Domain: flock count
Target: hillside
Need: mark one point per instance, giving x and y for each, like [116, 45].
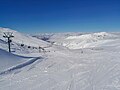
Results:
[89, 61]
[78, 40]
[19, 39]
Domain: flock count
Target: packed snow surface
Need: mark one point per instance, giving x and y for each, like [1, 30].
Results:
[73, 62]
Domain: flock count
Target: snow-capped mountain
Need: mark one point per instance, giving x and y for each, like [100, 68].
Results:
[85, 40]
[78, 40]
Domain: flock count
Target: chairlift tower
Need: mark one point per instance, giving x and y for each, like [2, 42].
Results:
[8, 35]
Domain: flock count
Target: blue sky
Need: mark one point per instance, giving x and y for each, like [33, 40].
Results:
[32, 16]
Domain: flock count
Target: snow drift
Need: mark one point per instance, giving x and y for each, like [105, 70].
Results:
[8, 59]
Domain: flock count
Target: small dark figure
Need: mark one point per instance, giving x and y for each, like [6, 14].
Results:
[28, 46]
[22, 45]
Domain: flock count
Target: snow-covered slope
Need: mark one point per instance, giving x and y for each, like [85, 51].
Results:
[86, 40]
[19, 39]
[22, 38]
[94, 67]
[8, 60]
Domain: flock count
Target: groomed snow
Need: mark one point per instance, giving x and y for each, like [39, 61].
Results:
[96, 66]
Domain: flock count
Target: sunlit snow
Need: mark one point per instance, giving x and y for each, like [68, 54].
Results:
[71, 61]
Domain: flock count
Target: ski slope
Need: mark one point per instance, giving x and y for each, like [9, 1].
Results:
[20, 38]
[88, 62]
